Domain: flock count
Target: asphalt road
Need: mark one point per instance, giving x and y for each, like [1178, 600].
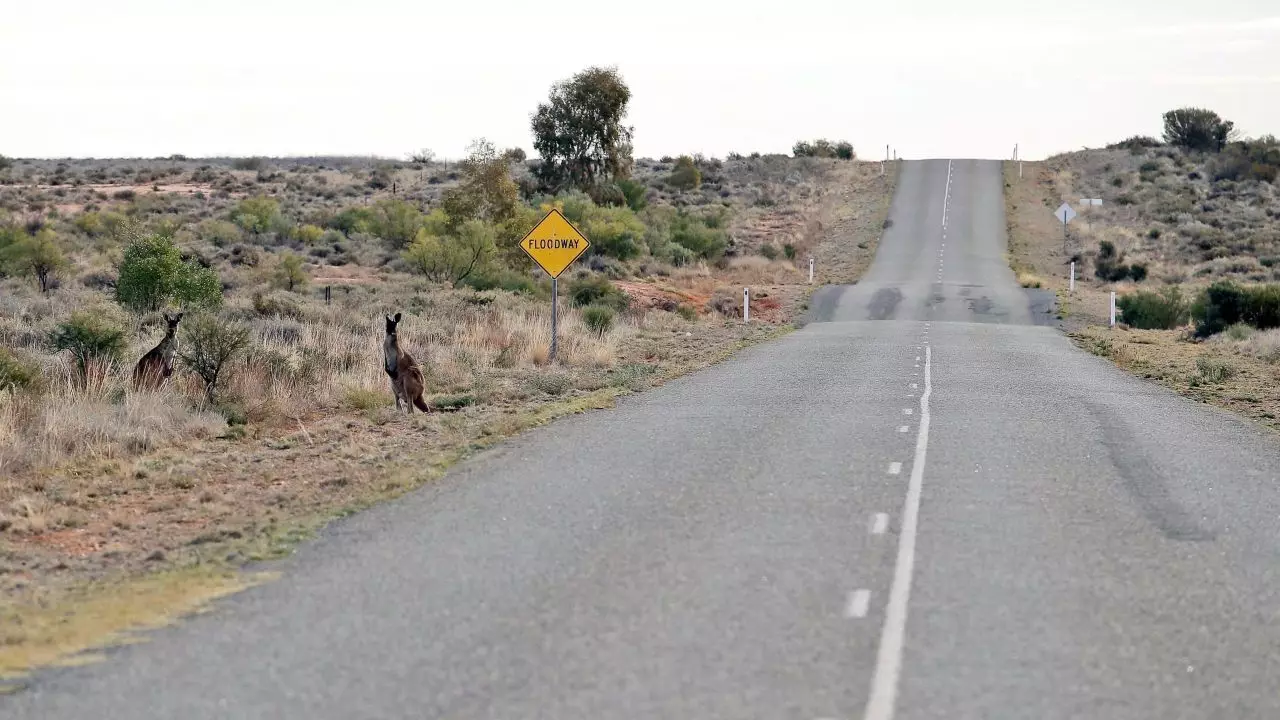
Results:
[921, 505]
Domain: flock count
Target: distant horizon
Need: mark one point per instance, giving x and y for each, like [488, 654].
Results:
[921, 75]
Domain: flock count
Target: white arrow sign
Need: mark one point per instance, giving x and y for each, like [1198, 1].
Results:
[1065, 214]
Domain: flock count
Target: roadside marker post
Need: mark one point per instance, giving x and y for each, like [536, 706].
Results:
[1065, 214]
[1113, 308]
[1072, 288]
[554, 243]
[746, 305]
[810, 269]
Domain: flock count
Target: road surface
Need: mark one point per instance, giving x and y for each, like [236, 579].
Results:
[920, 505]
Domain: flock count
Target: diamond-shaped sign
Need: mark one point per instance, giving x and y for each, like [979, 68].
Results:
[554, 243]
[1065, 213]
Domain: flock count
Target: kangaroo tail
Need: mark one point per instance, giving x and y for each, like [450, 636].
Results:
[421, 404]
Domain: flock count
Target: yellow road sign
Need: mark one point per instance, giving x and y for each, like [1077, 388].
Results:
[555, 243]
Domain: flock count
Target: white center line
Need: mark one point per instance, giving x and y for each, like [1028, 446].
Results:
[903, 428]
[946, 196]
[914, 386]
[895, 468]
[879, 523]
[859, 601]
[884, 683]
[908, 411]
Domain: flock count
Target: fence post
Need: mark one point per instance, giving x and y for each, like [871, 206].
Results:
[1113, 308]
[746, 305]
[1073, 276]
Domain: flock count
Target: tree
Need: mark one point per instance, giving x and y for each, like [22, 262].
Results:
[210, 346]
[289, 273]
[422, 157]
[579, 133]
[38, 256]
[5, 163]
[153, 274]
[92, 340]
[452, 258]
[486, 192]
[1197, 129]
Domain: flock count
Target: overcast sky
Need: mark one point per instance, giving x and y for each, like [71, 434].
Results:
[934, 78]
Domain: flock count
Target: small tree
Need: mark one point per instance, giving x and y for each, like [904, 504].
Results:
[579, 133]
[153, 274]
[486, 192]
[422, 157]
[209, 347]
[395, 221]
[452, 258]
[1197, 129]
[289, 273]
[38, 256]
[686, 175]
[92, 340]
[5, 163]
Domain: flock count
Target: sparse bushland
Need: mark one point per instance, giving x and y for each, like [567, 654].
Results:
[300, 258]
[1193, 217]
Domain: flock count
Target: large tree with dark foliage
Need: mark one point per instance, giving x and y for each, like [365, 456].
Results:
[1197, 129]
[579, 133]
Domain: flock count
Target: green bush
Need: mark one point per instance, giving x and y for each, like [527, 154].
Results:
[1151, 311]
[1196, 129]
[153, 274]
[844, 150]
[1262, 309]
[93, 341]
[598, 318]
[635, 192]
[789, 251]
[1239, 332]
[501, 279]
[452, 258]
[769, 251]
[255, 214]
[687, 311]
[17, 374]
[395, 221]
[1218, 307]
[1214, 370]
[289, 273]
[694, 234]
[685, 175]
[1109, 265]
[597, 290]
[37, 256]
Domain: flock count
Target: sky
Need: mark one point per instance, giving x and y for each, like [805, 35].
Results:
[930, 78]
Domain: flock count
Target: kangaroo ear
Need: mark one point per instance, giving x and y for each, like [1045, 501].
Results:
[397, 317]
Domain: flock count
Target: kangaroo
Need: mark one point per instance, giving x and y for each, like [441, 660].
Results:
[407, 383]
[157, 365]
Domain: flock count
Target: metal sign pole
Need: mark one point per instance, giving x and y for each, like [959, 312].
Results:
[551, 356]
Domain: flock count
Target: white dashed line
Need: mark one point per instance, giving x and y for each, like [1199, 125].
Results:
[879, 523]
[859, 602]
[884, 683]
[946, 196]
[908, 411]
[895, 468]
[914, 386]
[903, 428]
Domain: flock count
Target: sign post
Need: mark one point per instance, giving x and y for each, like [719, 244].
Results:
[554, 243]
[1065, 214]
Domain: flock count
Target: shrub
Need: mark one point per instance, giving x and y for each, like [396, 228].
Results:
[686, 311]
[395, 221]
[1219, 306]
[1138, 272]
[219, 233]
[685, 175]
[597, 290]
[153, 274]
[255, 214]
[289, 273]
[1108, 265]
[598, 318]
[491, 279]
[452, 258]
[615, 232]
[1239, 332]
[90, 223]
[635, 193]
[1147, 310]
[789, 251]
[309, 234]
[1137, 143]
[1262, 309]
[17, 374]
[694, 234]
[1214, 370]
[844, 150]
[93, 340]
[209, 347]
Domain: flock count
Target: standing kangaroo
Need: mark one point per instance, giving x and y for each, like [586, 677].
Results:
[157, 365]
[406, 377]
